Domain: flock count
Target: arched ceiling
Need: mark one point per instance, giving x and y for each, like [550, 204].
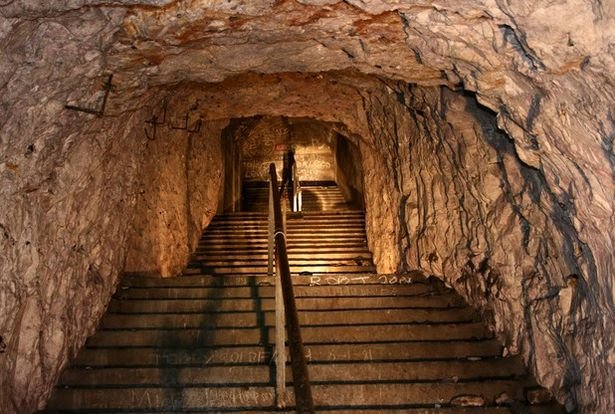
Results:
[499, 49]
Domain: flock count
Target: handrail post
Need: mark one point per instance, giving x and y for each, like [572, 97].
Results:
[301, 381]
[294, 205]
[280, 347]
[270, 230]
[297, 197]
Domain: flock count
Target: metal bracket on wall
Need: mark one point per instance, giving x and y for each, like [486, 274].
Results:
[182, 127]
[197, 125]
[185, 127]
[100, 111]
[153, 121]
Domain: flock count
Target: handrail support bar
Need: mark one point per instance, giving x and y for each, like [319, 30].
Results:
[301, 382]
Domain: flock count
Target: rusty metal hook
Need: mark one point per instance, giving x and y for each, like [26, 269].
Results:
[153, 121]
[154, 118]
[100, 111]
[185, 126]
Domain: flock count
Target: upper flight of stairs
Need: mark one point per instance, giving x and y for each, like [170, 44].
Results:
[316, 196]
[203, 342]
[318, 243]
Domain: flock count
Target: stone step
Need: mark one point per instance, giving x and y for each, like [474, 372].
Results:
[291, 224]
[248, 214]
[368, 279]
[416, 394]
[315, 247]
[269, 291]
[257, 198]
[264, 192]
[424, 371]
[308, 195]
[254, 215]
[252, 194]
[318, 202]
[330, 223]
[314, 189]
[297, 223]
[250, 319]
[439, 409]
[294, 241]
[305, 184]
[237, 354]
[303, 218]
[253, 270]
[182, 337]
[297, 230]
[541, 409]
[324, 247]
[260, 250]
[221, 305]
[309, 268]
[230, 262]
[255, 255]
[290, 237]
[360, 252]
[306, 206]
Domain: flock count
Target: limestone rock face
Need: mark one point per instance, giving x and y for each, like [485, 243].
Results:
[472, 213]
[506, 194]
[177, 196]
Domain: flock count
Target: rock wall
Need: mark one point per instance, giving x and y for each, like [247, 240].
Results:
[349, 170]
[313, 142]
[449, 192]
[64, 176]
[177, 196]
[70, 184]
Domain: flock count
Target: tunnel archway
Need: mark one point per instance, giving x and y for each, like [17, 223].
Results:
[504, 194]
[323, 156]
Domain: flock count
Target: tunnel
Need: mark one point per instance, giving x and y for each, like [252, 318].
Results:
[477, 136]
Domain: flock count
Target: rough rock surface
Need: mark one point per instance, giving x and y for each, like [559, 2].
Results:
[177, 196]
[516, 220]
[349, 171]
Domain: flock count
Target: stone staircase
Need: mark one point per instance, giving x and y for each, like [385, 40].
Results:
[316, 195]
[202, 342]
[318, 243]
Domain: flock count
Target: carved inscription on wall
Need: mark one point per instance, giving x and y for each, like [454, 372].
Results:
[266, 141]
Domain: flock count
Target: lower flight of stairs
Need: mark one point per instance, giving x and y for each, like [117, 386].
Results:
[374, 344]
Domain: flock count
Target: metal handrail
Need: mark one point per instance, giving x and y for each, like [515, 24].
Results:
[301, 381]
